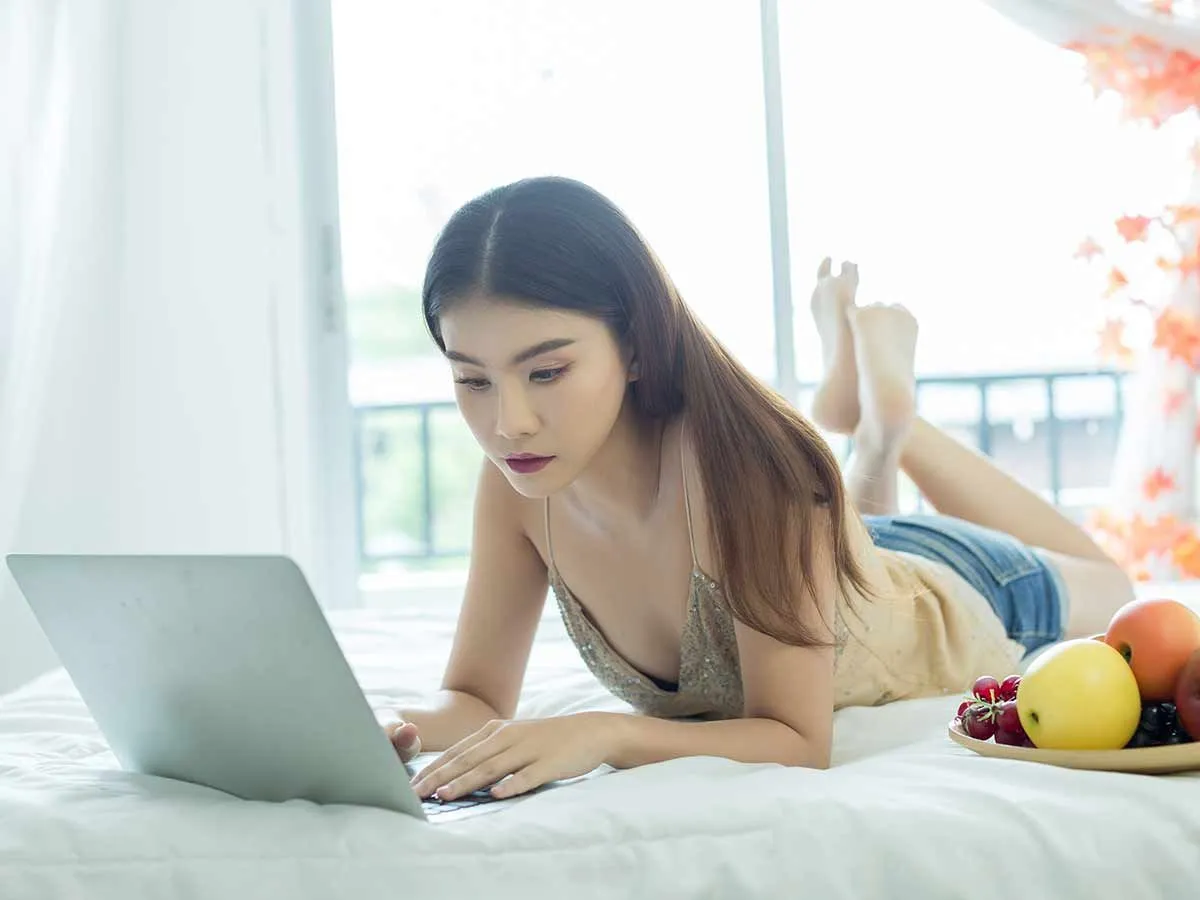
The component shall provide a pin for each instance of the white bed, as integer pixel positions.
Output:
(904, 813)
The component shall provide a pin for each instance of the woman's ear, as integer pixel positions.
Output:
(634, 371)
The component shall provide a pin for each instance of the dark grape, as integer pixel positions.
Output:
(1141, 738)
(1177, 736)
(1152, 718)
(1168, 716)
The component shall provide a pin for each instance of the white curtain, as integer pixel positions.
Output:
(1061, 21)
(1151, 524)
(166, 321)
(57, 250)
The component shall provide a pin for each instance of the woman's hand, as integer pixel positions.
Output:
(530, 753)
(404, 738)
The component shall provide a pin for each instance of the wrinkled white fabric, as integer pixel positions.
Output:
(903, 813)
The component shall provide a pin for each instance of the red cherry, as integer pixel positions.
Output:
(986, 688)
(962, 708)
(1008, 719)
(1008, 687)
(1011, 738)
(977, 722)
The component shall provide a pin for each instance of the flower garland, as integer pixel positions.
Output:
(1149, 255)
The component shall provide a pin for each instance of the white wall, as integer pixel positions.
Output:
(196, 429)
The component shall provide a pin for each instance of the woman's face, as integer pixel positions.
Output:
(541, 389)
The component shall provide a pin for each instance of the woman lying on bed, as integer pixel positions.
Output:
(709, 561)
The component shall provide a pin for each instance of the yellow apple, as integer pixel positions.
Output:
(1079, 695)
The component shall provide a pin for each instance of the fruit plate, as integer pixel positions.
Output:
(1143, 760)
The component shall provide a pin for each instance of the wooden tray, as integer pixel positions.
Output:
(1144, 760)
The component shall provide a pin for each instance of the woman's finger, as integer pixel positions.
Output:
(456, 750)
(530, 777)
(436, 776)
(487, 772)
(405, 739)
(465, 762)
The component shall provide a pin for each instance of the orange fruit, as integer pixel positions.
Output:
(1156, 636)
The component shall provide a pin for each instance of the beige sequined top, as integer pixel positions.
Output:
(933, 634)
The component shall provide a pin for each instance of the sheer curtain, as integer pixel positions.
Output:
(1062, 21)
(1152, 521)
(58, 73)
(169, 292)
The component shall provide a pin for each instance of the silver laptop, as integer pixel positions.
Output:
(221, 671)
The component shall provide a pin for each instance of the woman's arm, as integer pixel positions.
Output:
(788, 719)
(639, 741)
(506, 590)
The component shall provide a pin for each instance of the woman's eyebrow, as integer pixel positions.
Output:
(524, 356)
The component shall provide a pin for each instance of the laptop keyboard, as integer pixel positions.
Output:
(435, 807)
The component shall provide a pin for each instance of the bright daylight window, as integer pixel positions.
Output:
(958, 159)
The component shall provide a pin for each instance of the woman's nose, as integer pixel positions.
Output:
(515, 417)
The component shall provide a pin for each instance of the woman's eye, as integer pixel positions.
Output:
(472, 384)
(545, 376)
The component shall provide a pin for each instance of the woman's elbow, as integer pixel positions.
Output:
(805, 752)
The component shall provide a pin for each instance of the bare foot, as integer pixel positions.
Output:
(885, 349)
(835, 405)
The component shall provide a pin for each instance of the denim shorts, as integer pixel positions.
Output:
(1022, 586)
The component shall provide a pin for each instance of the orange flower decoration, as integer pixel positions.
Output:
(1185, 213)
(1117, 282)
(1178, 333)
(1089, 249)
(1157, 483)
(1186, 555)
(1173, 402)
(1112, 342)
(1188, 265)
(1133, 228)
(1156, 82)
(1130, 542)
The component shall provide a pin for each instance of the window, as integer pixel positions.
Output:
(962, 160)
(656, 106)
(957, 158)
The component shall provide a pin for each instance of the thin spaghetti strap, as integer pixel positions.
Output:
(549, 542)
(687, 509)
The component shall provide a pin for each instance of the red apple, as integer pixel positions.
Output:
(1155, 636)
(1187, 696)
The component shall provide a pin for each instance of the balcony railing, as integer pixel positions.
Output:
(1056, 431)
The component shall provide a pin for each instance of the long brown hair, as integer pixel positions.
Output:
(558, 243)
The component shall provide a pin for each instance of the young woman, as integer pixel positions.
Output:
(707, 558)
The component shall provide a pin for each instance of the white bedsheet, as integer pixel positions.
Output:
(904, 813)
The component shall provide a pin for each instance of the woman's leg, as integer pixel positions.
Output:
(872, 478)
(957, 480)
